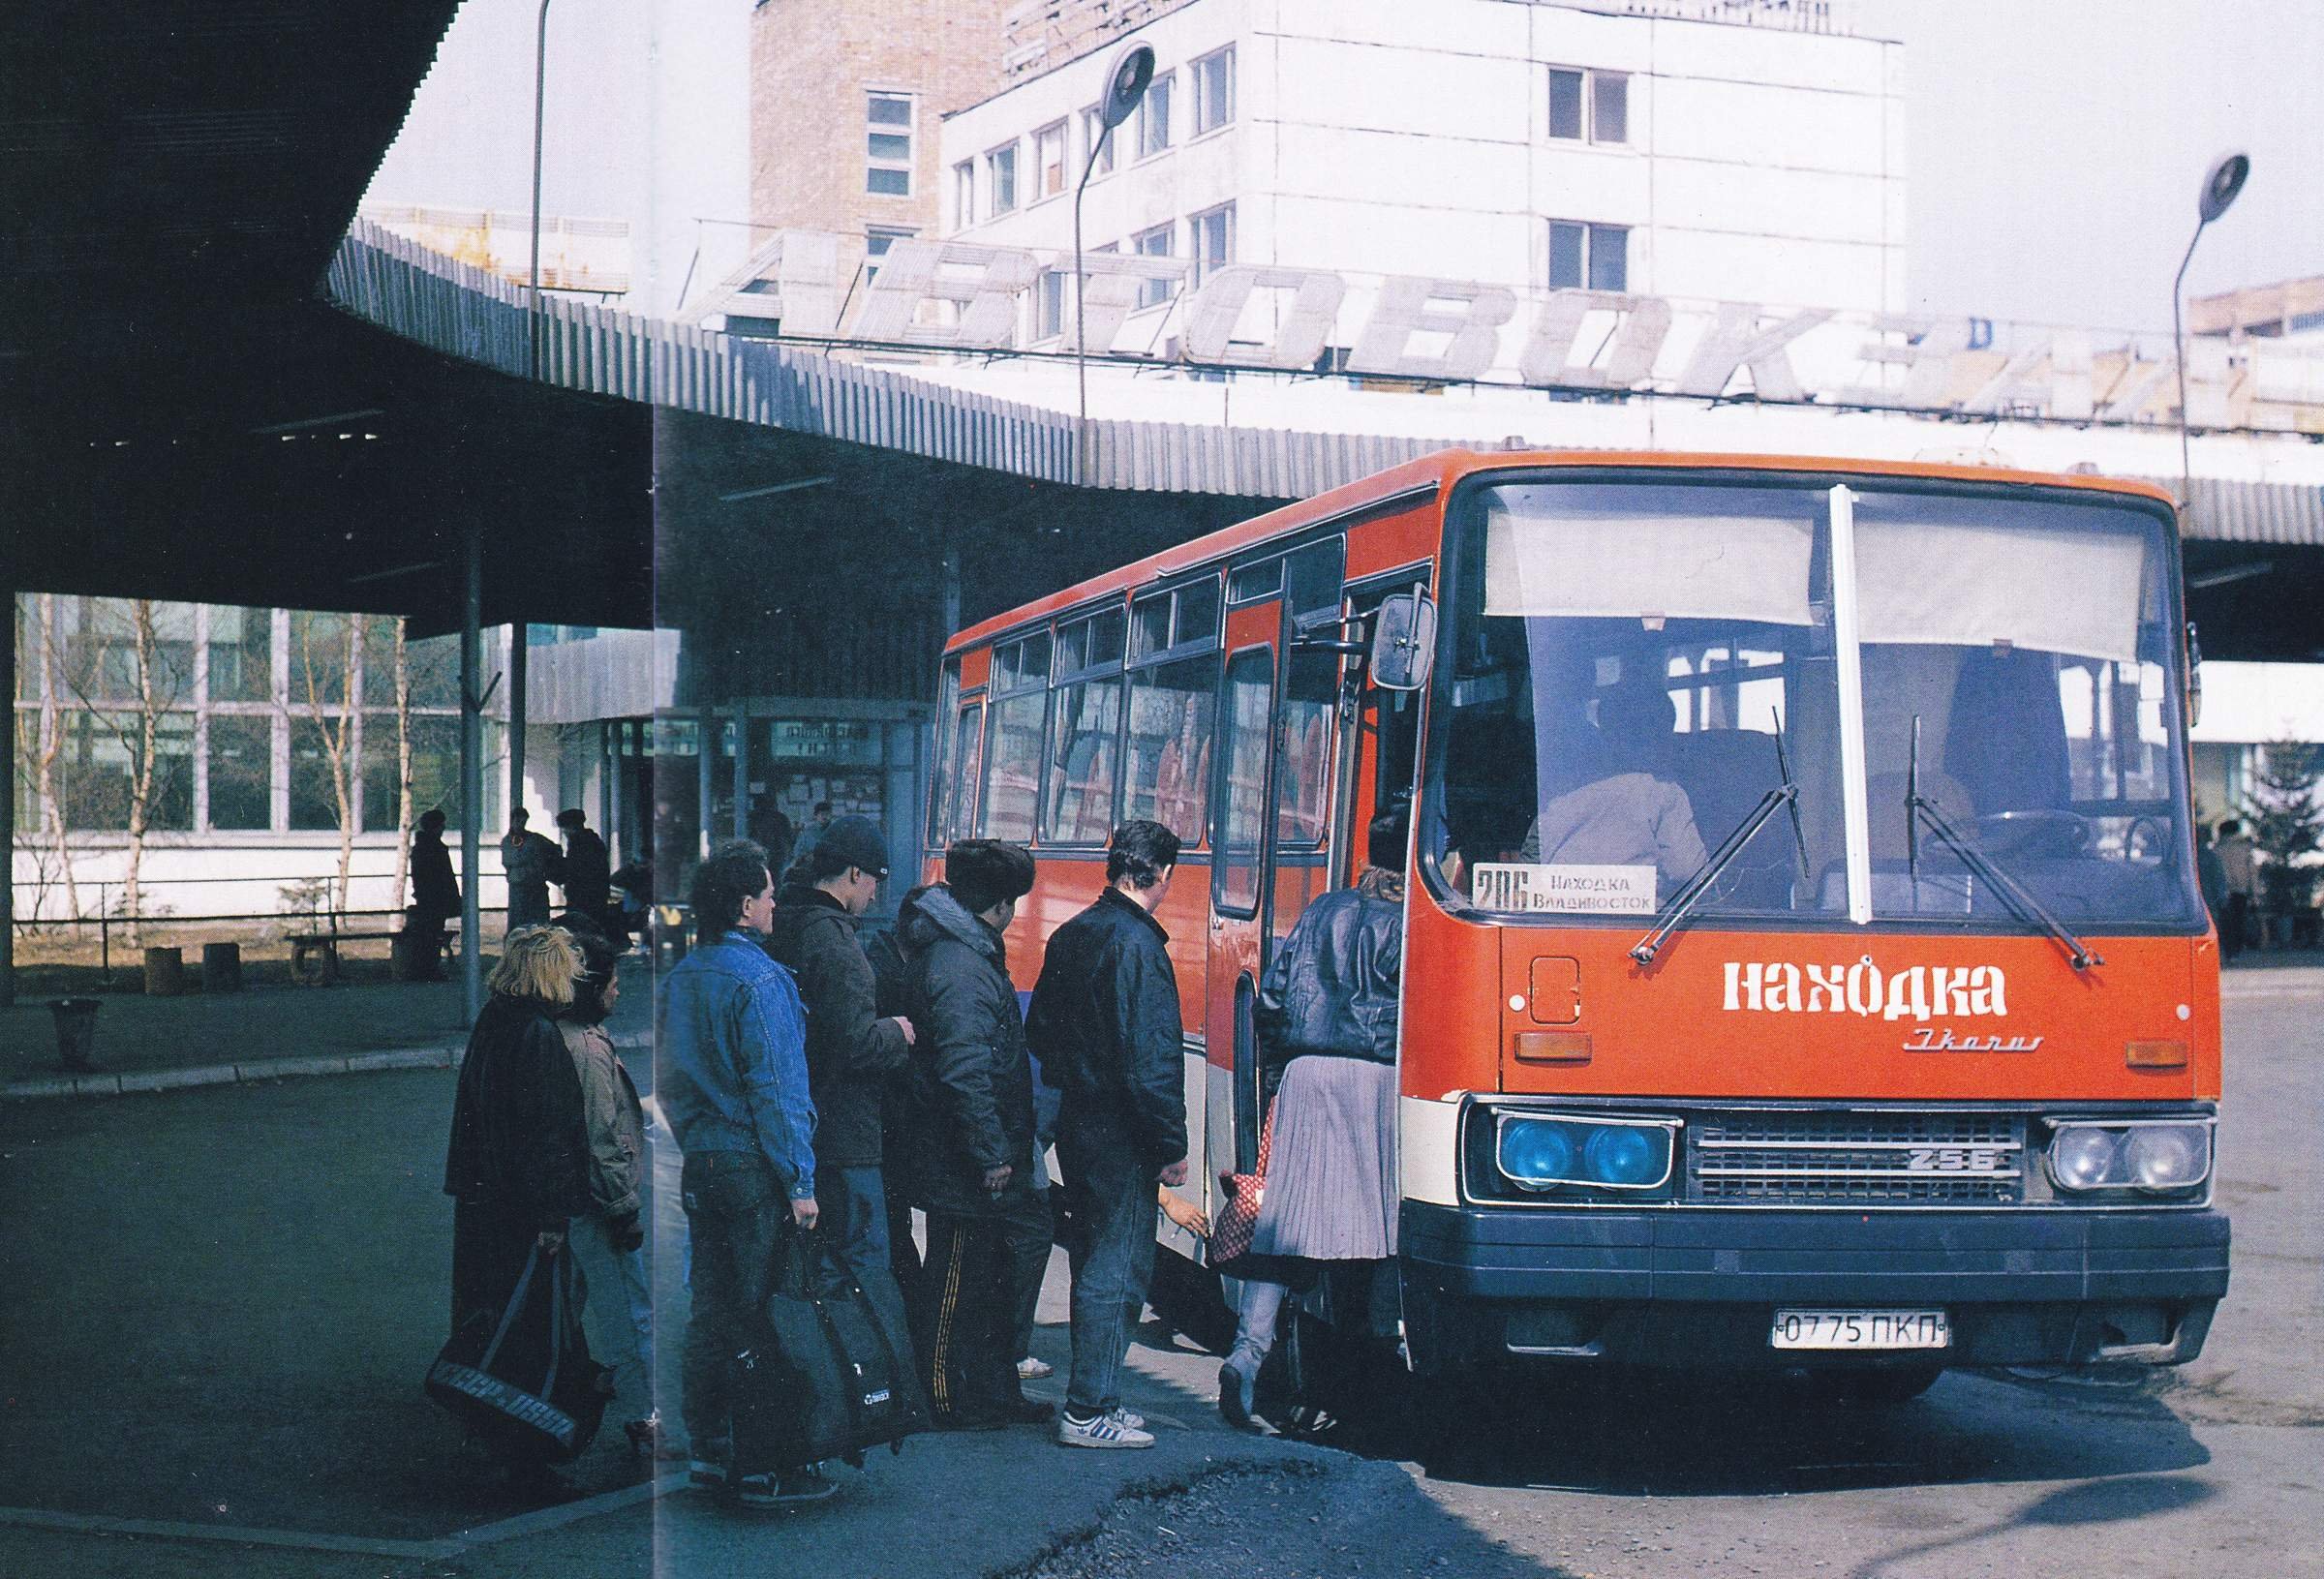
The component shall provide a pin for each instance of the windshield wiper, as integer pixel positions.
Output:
(1692, 892)
(1918, 808)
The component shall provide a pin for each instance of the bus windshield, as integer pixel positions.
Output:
(1632, 669)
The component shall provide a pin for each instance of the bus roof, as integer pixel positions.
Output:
(1443, 468)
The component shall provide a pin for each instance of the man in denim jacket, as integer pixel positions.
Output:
(732, 1085)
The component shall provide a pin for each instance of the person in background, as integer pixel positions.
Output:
(853, 1052)
(517, 1164)
(1627, 815)
(610, 1237)
(2239, 860)
(1105, 1018)
(817, 825)
(973, 1099)
(531, 863)
(1326, 1012)
(2211, 877)
(435, 896)
(586, 874)
(731, 1081)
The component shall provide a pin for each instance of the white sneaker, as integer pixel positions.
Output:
(1129, 1418)
(1106, 1431)
(1030, 1369)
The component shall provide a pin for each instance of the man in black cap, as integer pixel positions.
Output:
(852, 1052)
(972, 1090)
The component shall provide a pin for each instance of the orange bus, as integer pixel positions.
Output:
(1805, 964)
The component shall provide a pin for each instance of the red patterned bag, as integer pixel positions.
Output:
(1231, 1233)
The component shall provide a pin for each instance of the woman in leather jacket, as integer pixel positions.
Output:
(1326, 1012)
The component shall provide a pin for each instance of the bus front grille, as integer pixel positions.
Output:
(1845, 1159)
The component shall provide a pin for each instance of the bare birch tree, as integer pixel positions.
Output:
(157, 687)
(315, 661)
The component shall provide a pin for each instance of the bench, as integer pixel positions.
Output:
(315, 956)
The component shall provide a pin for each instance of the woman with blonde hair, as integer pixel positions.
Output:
(517, 1169)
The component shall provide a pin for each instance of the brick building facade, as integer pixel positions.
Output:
(845, 102)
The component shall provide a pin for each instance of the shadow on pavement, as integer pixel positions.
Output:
(1620, 1433)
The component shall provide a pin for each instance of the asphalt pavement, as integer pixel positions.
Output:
(216, 1305)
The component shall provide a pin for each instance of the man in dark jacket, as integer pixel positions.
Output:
(973, 1092)
(588, 870)
(435, 896)
(852, 1052)
(1105, 1021)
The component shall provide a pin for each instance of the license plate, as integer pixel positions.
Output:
(1861, 1329)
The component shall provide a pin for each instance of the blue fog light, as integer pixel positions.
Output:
(1536, 1151)
(1626, 1156)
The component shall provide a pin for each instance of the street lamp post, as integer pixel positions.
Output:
(1125, 84)
(2224, 180)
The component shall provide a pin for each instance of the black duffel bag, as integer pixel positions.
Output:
(542, 1399)
(831, 1375)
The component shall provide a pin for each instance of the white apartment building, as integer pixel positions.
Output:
(1671, 150)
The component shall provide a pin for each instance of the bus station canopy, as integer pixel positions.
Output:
(189, 416)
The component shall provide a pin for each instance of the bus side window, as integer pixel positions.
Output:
(1172, 725)
(964, 769)
(1304, 783)
(1013, 767)
(1243, 746)
(1087, 725)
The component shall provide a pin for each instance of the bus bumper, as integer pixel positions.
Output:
(1688, 1288)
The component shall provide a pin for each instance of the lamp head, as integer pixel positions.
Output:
(2221, 185)
(1126, 82)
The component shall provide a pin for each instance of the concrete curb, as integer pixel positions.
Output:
(98, 1084)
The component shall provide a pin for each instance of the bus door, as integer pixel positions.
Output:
(1273, 816)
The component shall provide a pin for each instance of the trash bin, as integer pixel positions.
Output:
(222, 967)
(76, 1031)
(165, 972)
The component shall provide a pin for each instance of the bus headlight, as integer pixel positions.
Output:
(2156, 1156)
(1549, 1151)
(2168, 1156)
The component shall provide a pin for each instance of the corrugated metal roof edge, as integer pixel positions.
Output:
(464, 312)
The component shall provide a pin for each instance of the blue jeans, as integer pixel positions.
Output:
(737, 1219)
(853, 1230)
(621, 1273)
(1111, 1193)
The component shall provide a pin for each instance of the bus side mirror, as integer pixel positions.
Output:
(1403, 641)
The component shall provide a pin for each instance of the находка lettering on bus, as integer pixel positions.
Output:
(1919, 993)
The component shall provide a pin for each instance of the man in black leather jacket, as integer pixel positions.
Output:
(1105, 1022)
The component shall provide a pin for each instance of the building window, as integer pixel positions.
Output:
(1214, 240)
(888, 145)
(1213, 91)
(242, 655)
(1049, 305)
(1097, 135)
(964, 194)
(102, 758)
(1000, 179)
(242, 772)
(1154, 117)
(1609, 106)
(876, 242)
(1597, 255)
(1048, 160)
(1154, 243)
(1601, 100)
